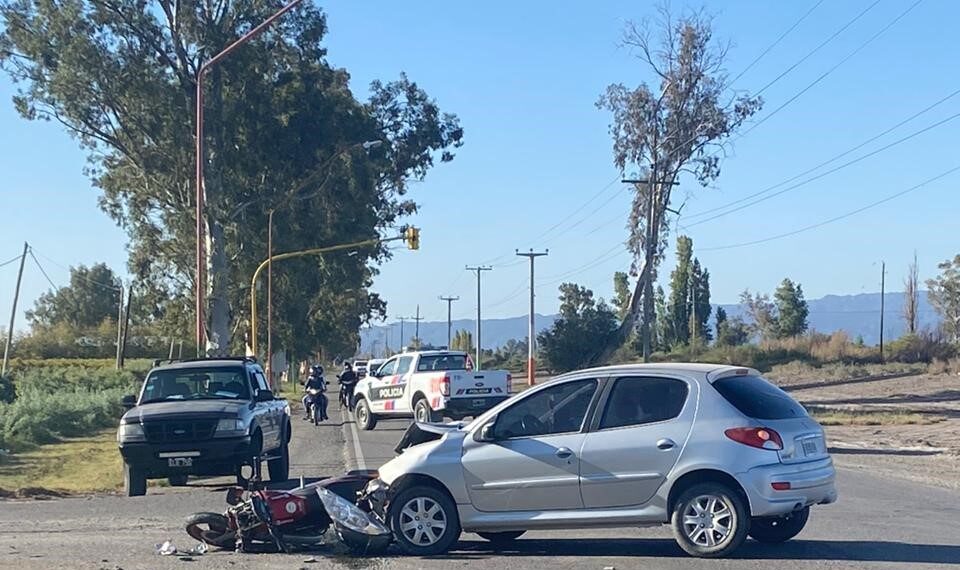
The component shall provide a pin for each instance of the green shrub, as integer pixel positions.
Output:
(920, 348)
(8, 390)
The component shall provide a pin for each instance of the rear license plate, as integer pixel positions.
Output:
(180, 462)
(478, 390)
(810, 447)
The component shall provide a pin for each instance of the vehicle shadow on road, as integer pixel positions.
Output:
(836, 550)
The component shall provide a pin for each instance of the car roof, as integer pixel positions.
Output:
(706, 371)
(206, 363)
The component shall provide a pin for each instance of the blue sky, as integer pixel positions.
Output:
(524, 77)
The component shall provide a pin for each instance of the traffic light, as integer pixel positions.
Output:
(412, 237)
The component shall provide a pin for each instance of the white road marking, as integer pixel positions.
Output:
(357, 450)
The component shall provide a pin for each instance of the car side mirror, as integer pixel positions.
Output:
(487, 433)
(129, 401)
(265, 396)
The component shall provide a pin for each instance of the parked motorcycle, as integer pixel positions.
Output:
(261, 520)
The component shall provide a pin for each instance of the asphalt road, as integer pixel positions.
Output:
(878, 523)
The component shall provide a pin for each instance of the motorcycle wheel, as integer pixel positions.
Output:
(212, 529)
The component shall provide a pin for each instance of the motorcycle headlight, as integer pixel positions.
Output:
(131, 432)
(230, 427)
(346, 513)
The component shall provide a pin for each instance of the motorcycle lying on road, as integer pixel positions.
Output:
(263, 520)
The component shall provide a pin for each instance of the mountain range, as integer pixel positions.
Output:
(857, 315)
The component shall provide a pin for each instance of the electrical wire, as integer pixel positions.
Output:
(823, 174)
(836, 218)
(825, 74)
(5, 263)
(42, 270)
(830, 161)
(775, 43)
(72, 274)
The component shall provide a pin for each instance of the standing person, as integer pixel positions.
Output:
(348, 381)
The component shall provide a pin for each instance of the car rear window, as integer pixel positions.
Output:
(757, 398)
(442, 362)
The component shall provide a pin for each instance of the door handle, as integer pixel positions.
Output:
(665, 444)
(564, 452)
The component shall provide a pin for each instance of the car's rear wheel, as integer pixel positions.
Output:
(772, 530)
(424, 413)
(710, 520)
(134, 481)
(177, 480)
(502, 537)
(424, 521)
(366, 420)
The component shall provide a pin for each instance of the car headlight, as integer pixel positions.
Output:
(131, 432)
(346, 513)
(230, 427)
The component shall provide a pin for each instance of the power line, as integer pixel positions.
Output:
(836, 218)
(775, 43)
(834, 159)
(831, 70)
(72, 273)
(42, 270)
(818, 48)
(823, 174)
(17, 258)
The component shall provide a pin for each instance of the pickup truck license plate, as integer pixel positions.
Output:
(180, 462)
(810, 447)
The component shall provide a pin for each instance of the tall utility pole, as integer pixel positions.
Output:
(532, 334)
(479, 269)
(449, 301)
(126, 325)
(402, 320)
(13, 311)
(883, 278)
(416, 333)
(119, 326)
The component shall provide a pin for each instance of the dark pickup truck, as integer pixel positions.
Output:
(203, 417)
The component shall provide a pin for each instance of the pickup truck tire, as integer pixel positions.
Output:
(366, 419)
(423, 413)
(279, 468)
(256, 450)
(177, 480)
(134, 481)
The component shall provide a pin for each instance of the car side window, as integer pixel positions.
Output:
(403, 365)
(557, 409)
(637, 401)
(261, 380)
(388, 369)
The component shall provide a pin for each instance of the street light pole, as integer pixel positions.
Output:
(449, 301)
(479, 269)
(532, 335)
(200, 280)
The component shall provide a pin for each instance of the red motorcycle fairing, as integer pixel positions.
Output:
(285, 507)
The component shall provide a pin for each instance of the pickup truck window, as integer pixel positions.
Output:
(196, 384)
(261, 380)
(404, 365)
(442, 362)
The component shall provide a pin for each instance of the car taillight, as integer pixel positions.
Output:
(761, 438)
(445, 386)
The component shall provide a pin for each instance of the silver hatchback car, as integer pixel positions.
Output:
(715, 451)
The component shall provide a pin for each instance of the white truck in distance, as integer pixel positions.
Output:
(429, 386)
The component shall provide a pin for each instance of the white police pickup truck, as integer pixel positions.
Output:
(429, 386)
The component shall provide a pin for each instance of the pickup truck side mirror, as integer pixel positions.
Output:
(129, 401)
(265, 396)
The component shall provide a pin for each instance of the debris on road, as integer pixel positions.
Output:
(166, 549)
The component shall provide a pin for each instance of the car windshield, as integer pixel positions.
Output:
(196, 384)
(439, 362)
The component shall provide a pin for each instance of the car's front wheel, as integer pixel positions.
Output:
(424, 521)
(366, 420)
(779, 529)
(710, 520)
(134, 481)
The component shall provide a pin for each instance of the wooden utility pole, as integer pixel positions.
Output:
(449, 301)
(883, 278)
(126, 325)
(119, 327)
(13, 311)
(416, 333)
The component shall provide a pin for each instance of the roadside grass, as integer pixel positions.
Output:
(72, 466)
(798, 371)
(838, 417)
